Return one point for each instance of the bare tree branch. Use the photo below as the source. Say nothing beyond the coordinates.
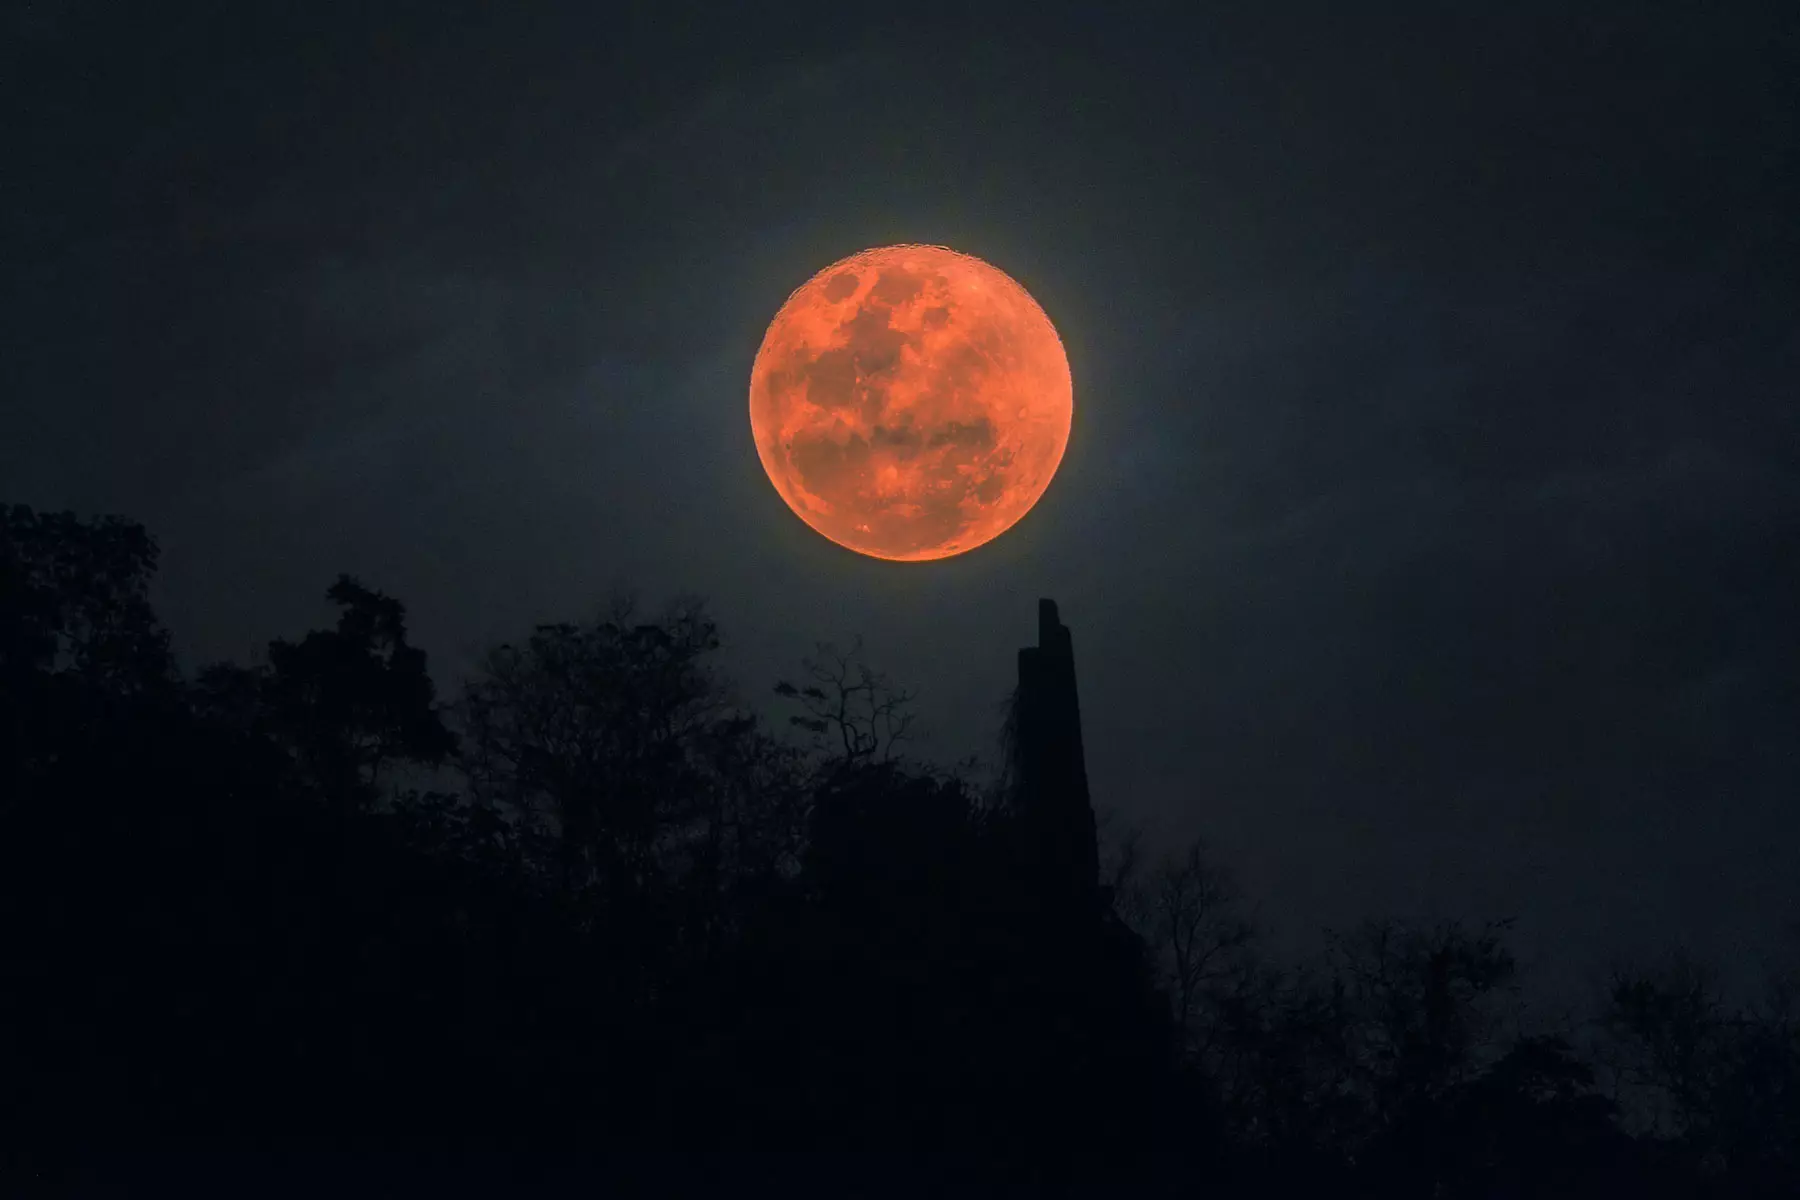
(855, 713)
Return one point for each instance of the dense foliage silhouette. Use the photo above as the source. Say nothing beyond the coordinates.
(596, 901)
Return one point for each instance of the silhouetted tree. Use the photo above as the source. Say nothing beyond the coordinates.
(74, 600)
(1187, 910)
(635, 915)
(588, 733)
(1425, 1009)
(343, 702)
(80, 647)
(854, 712)
(1531, 1124)
(1722, 1082)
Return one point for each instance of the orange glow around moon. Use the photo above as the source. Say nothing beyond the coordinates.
(910, 402)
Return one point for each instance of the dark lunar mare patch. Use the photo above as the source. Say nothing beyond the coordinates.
(896, 286)
(905, 439)
(840, 286)
(830, 378)
(829, 470)
(874, 342)
(972, 435)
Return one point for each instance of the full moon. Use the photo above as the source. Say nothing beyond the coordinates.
(911, 402)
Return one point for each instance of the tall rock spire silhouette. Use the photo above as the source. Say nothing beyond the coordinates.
(1055, 810)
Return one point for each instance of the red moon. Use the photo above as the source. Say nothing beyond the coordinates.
(911, 402)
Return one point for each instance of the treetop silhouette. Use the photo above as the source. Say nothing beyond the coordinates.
(630, 910)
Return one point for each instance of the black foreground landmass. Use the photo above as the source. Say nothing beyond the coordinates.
(595, 923)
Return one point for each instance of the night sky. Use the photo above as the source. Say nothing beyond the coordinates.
(1430, 529)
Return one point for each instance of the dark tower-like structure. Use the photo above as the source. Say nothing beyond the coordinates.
(1055, 813)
